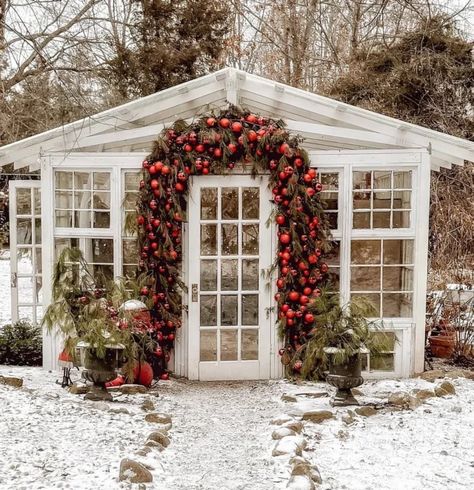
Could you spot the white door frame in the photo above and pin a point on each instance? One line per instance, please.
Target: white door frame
(211, 370)
(16, 302)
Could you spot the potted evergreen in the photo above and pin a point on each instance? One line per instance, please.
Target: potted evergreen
(95, 330)
(341, 335)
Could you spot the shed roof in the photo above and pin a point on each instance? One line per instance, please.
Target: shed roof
(326, 124)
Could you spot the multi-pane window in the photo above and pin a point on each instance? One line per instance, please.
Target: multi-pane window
(382, 271)
(381, 199)
(131, 183)
(384, 361)
(97, 252)
(82, 199)
(330, 196)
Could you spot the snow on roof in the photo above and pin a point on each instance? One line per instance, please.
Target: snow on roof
(326, 124)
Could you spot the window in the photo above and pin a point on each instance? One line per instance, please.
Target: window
(382, 270)
(384, 361)
(82, 199)
(131, 185)
(381, 199)
(330, 196)
(98, 253)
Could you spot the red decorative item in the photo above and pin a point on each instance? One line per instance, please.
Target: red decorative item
(143, 374)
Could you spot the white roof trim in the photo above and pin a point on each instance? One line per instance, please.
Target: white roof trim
(351, 127)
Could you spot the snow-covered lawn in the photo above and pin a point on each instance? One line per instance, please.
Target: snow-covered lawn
(221, 437)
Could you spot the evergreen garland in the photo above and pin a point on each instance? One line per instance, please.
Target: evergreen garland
(215, 144)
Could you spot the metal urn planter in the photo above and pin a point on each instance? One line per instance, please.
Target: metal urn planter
(344, 377)
(100, 370)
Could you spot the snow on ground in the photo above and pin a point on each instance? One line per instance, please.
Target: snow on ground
(430, 447)
(221, 437)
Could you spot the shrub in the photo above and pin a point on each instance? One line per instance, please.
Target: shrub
(21, 344)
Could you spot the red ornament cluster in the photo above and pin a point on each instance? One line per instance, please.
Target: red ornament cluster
(215, 144)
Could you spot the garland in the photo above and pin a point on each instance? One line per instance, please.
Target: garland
(214, 144)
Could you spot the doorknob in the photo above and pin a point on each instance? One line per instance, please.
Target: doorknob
(13, 279)
(194, 292)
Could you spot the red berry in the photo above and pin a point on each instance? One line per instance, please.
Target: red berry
(236, 127)
(211, 121)
(224, 123)
(285, 238)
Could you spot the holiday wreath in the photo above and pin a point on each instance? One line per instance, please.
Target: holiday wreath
(215, 144)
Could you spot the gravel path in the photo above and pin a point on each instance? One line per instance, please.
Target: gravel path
(221, 437)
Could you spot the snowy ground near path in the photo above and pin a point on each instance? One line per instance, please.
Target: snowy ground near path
(221, 437)
(429, 448)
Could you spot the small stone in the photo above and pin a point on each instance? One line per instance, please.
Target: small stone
(148, 406)
(432, 375)
(101, 406)
(288, 398)
(294, 425)
(144, 451)
(134, 472)
(300, 482)
(154, 445)
(129, 389)
(158, 418)
(399, 399)
(349, 417)
(445, 388)
(282, 432)
(120, 410)
(288, 446)
(366, 411)
(414, 402)
(76, 389)
(159, 437)
(283, 419)
(356, 392)
(318, 416)
(456, 409)
(424, 394)
(11, 381)
(456, 373)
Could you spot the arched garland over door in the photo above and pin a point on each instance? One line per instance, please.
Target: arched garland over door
(214, 144)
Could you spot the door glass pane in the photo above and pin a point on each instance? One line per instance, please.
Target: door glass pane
(229, 240)
(397, 305)
(382, 180)
(250, 309)
(250, 274)
(25, 313)
(229, 345)
(249, 345)
(129, 251)
(382, 362)
(250, 239)
(208, 309)
(23, 230)
(82, 200)
(209, 203)
(23, 201)
(401, 219)
(132, 181)
(361, 221)
(38, 231)
(361, 200)
(102, 274)
(37, 201)
(63, 219)
(25, 289)
(101, 200)
(402, 180)
(25, 261)
(63, 199)
(208, 275)
(229, 276)
(381, 219)
(229, 310)
(382, 200)
(374, 299)
(401, 199)
(230, 203)
(361, 180)
(208, 239)
(101, 219)
(82, 219)
(208, 345)
(102, 250)
(250, 203)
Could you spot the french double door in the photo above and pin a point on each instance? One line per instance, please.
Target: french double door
(229, 254)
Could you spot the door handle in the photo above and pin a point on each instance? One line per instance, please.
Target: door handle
(194, 292)
(13, 279)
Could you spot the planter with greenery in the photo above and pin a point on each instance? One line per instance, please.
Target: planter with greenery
(342, 333)
(91, 320)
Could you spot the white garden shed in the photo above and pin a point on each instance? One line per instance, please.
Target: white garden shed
(375, 173)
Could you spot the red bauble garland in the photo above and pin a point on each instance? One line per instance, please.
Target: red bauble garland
(215, 144)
